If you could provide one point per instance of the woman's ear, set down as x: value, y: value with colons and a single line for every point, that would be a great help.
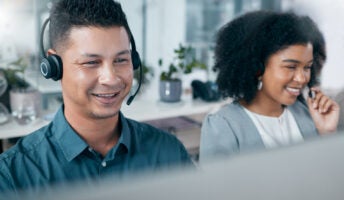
x: 260, y: 83
x: 260, y: 71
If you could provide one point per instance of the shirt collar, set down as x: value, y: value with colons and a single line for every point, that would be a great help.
x: 72, y: 144
x: 124, y: 142
x: 69, y: 141
x: 126, y: 136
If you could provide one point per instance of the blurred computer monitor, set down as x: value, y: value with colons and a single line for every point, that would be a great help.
x: 311, y: 170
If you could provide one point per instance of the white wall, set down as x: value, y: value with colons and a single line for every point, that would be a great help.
x: 329, y: 16
x: 17, y: 29
x: 166, y: 28
x: 133, y: 10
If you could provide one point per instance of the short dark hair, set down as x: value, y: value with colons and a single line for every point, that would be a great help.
x: 244, y: 44
x: 66, y: 14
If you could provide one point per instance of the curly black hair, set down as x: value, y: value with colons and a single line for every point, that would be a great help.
x: 66, y: 14
x: 244, y: 44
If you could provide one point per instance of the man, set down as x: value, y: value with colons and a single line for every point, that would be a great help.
x: 89, y: 136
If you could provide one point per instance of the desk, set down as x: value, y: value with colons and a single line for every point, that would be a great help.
x: 145, y: 110
x: 12, y: 129
x: 140, y: 110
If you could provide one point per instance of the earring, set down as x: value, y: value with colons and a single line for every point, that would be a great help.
x: 260, y: 84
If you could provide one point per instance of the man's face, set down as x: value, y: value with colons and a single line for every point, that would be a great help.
x: 97, y: 71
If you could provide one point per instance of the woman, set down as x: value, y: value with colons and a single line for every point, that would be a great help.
x: 265, y: 60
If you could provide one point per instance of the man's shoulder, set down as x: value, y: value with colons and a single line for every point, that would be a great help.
x: 25, y: 145
x: 231, y: 112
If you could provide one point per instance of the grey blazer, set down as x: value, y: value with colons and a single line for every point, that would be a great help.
x: 231, y: 130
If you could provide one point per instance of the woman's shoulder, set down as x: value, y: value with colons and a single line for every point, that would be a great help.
x: 232, y: 114
x: 229, y: 109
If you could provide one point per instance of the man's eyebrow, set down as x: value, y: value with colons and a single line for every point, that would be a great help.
x: 91, y: 55
x: 123, y: 52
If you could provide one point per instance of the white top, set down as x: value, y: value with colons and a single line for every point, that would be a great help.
x: 277, y: 131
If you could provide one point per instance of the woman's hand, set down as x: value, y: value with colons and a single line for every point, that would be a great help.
x: 324, y: 111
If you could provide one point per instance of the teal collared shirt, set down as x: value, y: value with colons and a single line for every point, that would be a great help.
x: 56, y: 154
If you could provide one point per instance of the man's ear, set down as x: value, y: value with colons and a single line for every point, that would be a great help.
x: 50, y: 52
x: 51, y: 66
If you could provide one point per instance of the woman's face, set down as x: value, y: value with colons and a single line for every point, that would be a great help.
x: 287, y: 72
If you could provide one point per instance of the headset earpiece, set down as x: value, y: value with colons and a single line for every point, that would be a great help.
x: 135, y: 57
x: 51, y: 67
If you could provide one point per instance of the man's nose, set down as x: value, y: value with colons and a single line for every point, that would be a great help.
x: 108, y: 74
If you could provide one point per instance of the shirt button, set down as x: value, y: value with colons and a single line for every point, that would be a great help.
x: 104, y: 164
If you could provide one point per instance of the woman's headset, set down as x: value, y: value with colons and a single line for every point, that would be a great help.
x: 51, y: 66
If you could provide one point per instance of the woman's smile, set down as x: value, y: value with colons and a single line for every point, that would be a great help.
x: 294, y: 91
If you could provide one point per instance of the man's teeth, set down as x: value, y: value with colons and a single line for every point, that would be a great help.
x: 105, y: 95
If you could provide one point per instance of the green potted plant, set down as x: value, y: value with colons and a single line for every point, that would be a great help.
x: 15, y: 74
x: 10, y: 73
x: 170, y: 86
x: 22, y: 100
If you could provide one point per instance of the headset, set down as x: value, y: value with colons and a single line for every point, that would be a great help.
x: 51, y: 66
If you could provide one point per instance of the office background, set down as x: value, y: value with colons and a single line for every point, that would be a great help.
x: 160, y: 26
